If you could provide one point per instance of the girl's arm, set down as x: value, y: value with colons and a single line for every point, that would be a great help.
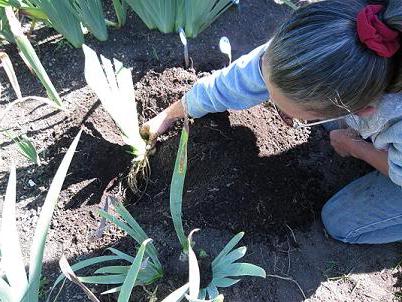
x: 376, y: 158
x: 238, y: 86
x: 347, y: 142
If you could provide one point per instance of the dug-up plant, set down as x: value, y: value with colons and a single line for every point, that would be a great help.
x: 16, y: 285
x: 114, y: 87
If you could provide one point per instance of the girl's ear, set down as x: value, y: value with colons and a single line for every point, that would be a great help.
x: 367, y: 111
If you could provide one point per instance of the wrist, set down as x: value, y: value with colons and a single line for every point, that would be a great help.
x: 174, y: 111
x: 360, y: 149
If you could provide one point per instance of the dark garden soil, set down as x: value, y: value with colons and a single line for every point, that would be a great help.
x: 247, y: 171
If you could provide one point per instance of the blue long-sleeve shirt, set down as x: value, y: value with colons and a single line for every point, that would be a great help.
x: 238, y: 86
x: 241, y: 85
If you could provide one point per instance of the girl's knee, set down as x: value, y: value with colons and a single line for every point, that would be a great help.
x: 334, y: 225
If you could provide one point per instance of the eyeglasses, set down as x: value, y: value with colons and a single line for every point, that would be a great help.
x: 297, y: 124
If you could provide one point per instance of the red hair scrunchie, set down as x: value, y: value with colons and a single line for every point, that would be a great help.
x: 375, y: 34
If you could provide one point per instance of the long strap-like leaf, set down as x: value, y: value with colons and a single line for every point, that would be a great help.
x: 12, y: 259
x: 8, y: 67
x: 228, y: 247
x: 129, y: 282
x: 29, y: 55
x: 70, y: 275
x: 62, y: 20
x: 178, y: 294
x: 177, y: 187
x: 42, y: 227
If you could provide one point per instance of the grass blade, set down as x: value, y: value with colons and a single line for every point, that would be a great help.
x: 225, y: 282
x: 120, y: 8
x: 42, y: 227
x: 176, y: 189
x: 87, y: 263
x: 151, y: 250
x: 28, y: 53
x: 231, y: 257
x: 70, y: 275
x: 111, y: 291
x: 109, y: 279
x: 194, y: 270
x: 8, y: 67
x: 116, y: 270
x: 128, y: 285
x: 240, y: 269
x: 177, y: 295
x: 122, y: 255
x: 231, y: 244
x: 25, y: 147
x: 11, y: 255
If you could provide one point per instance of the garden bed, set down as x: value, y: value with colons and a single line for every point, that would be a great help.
x: 247, y: 172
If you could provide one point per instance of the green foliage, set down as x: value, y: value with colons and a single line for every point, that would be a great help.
x: 132, y: 275
x: 169, y: 15
x: 120, y: 8
x: 224, y: 268
x: 62, y: 20
x: 130, y: 225
x: 26, y: 148
x: 9, y: 69
x: 149, y: 270
x: 30, y: 57
x: 66, y: 16
x: 90, y: 13
x: 177, y: 187
x: 16, y: 285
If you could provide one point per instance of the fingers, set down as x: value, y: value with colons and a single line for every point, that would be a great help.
x: 144, y: 131
x: 149, y: 136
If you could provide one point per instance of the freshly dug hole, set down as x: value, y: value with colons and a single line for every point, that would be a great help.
x: 247, y: 170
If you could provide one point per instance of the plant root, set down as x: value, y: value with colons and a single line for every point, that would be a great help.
x: 139, y: 175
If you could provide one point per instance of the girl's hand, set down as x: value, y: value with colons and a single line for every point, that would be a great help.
x: 346, y: 142
x: 156, y: 126
x: 162, y: 122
